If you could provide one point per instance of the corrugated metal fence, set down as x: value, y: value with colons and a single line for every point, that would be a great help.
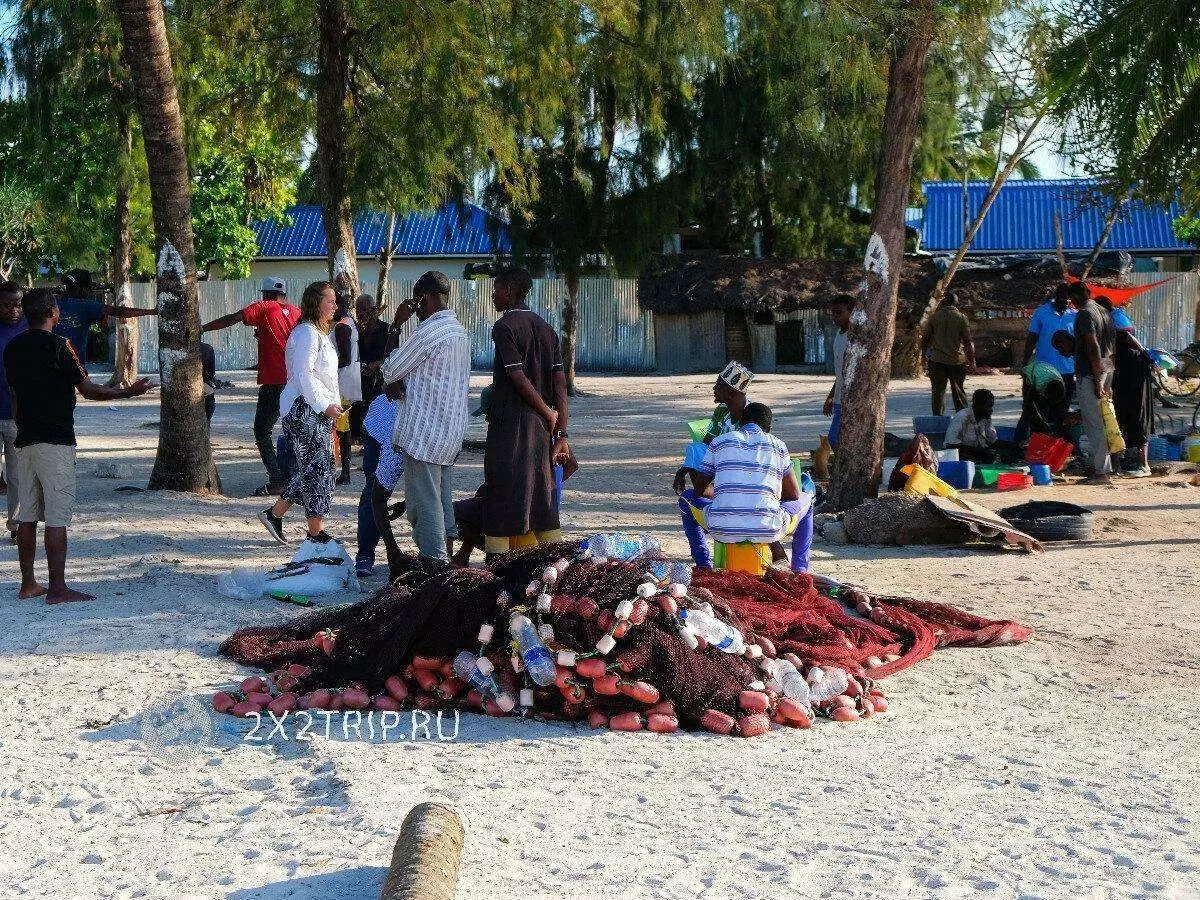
x: 1166, y: 316
x: 614, y: 335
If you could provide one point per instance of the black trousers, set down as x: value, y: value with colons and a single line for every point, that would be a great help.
x: 266, y: 414
x: 941, y: 374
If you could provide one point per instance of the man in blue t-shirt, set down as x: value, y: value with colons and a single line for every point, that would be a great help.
x: 79, y: 311
x: 1051, y: 317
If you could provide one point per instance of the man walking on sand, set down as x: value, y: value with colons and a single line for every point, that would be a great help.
x: 947, y: 340
x: 430, y: 374
x: 44, y: 373
x: 272, y: 319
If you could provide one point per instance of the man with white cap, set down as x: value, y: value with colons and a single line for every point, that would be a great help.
x: 272, y: 319
x: 729, y: 390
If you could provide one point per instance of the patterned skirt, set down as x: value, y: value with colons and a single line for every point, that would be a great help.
x: 311, y: 435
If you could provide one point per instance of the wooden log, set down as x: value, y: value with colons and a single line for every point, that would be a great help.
x: 426, y: 857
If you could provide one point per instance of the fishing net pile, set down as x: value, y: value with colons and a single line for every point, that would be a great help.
x: 610, y: 633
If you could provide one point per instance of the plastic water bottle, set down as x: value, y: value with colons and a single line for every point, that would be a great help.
x: 825, y: 684
x: 599, y: 546
x: 791, y: 682
x: 724, y: 637
x: 537, y: 659
x: 466, y: 667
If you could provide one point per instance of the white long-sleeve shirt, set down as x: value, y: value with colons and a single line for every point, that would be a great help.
x: 312, y: 369
x: 435, y: 365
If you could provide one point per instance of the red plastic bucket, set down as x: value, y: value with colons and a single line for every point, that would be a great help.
x: 1013, y: 481
x: 1052, y: 451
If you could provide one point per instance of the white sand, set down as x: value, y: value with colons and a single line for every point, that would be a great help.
x: 1055, y: 769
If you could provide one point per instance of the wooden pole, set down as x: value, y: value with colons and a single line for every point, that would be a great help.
x: 426, y: 857
x: 1058, y: 244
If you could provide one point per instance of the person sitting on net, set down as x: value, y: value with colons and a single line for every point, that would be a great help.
x: 746, y: 490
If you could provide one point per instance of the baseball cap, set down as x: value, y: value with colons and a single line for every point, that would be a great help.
x: 485, y: 402
x: 432, y: 282
x: 273, y: 284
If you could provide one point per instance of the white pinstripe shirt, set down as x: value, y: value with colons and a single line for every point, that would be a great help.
x: 435, y: 363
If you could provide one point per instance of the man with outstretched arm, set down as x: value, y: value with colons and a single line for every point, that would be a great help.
x: 44, y: 374
x: 272, y: 319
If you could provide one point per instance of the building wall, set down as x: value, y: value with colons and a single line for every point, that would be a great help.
x: 690, y: 343
x: 300, y: 272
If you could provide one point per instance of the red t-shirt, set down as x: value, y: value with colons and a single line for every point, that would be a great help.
x: 273, y: 322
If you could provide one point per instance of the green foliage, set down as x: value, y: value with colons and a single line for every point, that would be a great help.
x: 1128, y: 87
x: 22, y: 230
x: 229, y: 191
x: 1187, y: 228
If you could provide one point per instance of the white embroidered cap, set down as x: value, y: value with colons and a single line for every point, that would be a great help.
x: 737, y: 376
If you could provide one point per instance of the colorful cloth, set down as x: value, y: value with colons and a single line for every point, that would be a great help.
x: 747, y: 468
x: 310, y: 434
x: 272, y: 322
x: 379, y: 423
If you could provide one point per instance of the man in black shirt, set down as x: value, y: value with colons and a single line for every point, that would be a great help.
x: 44, y: 373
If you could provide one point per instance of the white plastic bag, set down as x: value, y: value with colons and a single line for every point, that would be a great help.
x: 315, y: 570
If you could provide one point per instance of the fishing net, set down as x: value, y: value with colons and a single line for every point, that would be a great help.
x: 618, y: 638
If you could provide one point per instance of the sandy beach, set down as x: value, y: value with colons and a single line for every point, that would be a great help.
x: 1055, y: 769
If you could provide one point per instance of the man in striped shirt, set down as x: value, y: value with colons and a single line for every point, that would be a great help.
x: 429, y: 375
x: 755, y: 496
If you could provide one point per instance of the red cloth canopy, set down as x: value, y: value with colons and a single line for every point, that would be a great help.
x: 1121, y: 295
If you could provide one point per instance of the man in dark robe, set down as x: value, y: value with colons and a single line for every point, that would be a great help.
x: 527, y: 423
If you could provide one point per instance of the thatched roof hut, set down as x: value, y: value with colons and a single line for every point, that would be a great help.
x: 770, y: 312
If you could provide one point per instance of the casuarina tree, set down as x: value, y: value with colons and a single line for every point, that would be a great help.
x: 184, y: 460
x: 868, y: 362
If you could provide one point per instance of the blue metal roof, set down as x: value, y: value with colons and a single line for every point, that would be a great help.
x: 453, y: 230
x: 1022, y: 218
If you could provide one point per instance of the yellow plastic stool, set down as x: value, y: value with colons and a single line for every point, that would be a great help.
x: 753, y: 559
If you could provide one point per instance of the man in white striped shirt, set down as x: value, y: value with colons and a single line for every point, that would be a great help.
x: 755, y: 495
x: 429, y: 374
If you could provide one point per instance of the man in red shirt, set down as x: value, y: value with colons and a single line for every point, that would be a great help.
x: 272, y: 319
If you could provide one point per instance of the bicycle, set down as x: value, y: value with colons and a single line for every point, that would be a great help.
x: 1180, y: 382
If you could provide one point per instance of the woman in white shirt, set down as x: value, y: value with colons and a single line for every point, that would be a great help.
x: 309, y: 405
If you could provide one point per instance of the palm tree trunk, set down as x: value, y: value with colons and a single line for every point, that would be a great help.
x: 125, y: 364
x: 184, y: 460
x: 867, y: 365
x: 385, y: 260
x: 333, y: 20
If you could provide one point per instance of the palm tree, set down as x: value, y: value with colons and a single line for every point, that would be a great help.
x: 184, y: 460
x: 1128, y: 83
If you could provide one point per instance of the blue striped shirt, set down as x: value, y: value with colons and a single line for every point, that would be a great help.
x: 747, y: 468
